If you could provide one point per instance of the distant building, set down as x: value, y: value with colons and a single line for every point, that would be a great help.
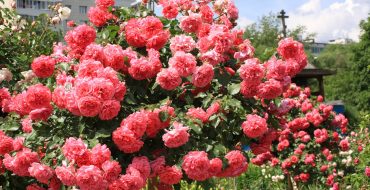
x: 317, y: 48
x: 33, y: 8
x: 341, y: 41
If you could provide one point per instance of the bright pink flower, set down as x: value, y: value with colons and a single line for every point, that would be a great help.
x: 20, y: 163
x: 248, y: 89
x: 176, y: 137
x: 137, y: 122
x: 206, y: 13
x: 191, y: 23
x: 6, y: 144
x: 270, y: 89
x: 38, y: 96
x: 100, y: 154
x: 288, y: 48
x: 298, y: 124
x: 283, y: 145
x: 215, y: 166
x: 4, y: 95
x: 276, y: 69
x: 41, y: 113
x: 66, y: 174
x: 111, y: 169
x: 145, y: 68
x: 134, y: 35
x: 314, y: 117
x: 74, y: 148
x: 182, y: 43
x: 196, y: 165
x: 120, y: 91
x: 114, y: 57
x: 198, y: 113
x: 321, y: 135
x: 104, y: 4
x: 237, y: 164
x: 184, y: 63
x: 367, y: 171
x: 80, y: 37
x: 170, y: 175
x: 43, y: 66
x: 304, y: 177
x: 170, y: 10
x: 130, y: 181
x: 41, y: 172
x: 90, y: 178
x: 89, y: 68
x: 158, y: 40
x: 109, y: 109
x: 246, y: 51
x: 203, y: 75
x: 142, y: 165
x: 211, y: 57
x: 254, y: 126
x: 323, y: 168
x: 126, y: 140
x: 34, y: 186
x: 18, y: 143
x: 98, y: 16
x: 93, y: 52
x: 310, y: 159
x: 169, y: 79
x: 344, y: 145
x: 89, y: 106
x: 157, y: 165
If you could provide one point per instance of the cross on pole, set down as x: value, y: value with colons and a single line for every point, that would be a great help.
x: 282, y: 16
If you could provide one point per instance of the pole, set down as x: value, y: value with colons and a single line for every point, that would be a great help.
x: 282, y: 16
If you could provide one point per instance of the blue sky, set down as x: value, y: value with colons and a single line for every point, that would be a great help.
x: 329, y: 19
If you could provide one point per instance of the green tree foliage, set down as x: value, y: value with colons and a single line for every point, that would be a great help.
x: 22, y: 40
x: 351, y: 83
x: 266, y: 33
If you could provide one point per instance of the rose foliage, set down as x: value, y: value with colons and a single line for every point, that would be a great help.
x: 135, y: 98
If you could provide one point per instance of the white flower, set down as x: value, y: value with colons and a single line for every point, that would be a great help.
x: 64, y: 13
x: 28, y: 75
x: 344, y: 161
x: 55, y: 20
x: 282, y: 177
x: 341, y: 173
x: 349, y: 187
x: 5, y: 74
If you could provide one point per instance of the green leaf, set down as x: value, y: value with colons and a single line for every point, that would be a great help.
x: 163, y: 115
x: 234, y: 88
x: 196, y: 129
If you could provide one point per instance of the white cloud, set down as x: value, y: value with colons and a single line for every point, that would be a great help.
x: 310, y: 6
x: 244, y: 22
x: 339, y: 20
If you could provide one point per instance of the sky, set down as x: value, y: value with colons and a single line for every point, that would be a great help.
x: 329, y: 19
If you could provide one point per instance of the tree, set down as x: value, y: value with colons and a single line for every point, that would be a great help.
x: 265, y: 35
x: 351, y: 61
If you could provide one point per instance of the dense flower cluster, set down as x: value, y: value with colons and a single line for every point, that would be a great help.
x: 191, y: 127
x: 315, y: 139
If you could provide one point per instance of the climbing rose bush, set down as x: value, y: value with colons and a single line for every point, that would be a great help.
x: 134, y: 99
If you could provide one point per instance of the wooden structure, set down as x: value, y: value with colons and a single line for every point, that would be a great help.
x: 311, y: 72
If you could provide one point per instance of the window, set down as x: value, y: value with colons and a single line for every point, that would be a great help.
x: 83, y: 9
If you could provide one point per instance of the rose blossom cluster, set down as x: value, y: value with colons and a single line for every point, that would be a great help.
x: 99, y: 15
x: 198, y: 167
x: 34, y: 102
x: 271, y: 79
x: 305, y: 140
x: 146, y: 32
x: 128, y: 136
x: 95, y: 91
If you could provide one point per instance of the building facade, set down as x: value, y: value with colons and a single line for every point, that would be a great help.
x: 79, y: 8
